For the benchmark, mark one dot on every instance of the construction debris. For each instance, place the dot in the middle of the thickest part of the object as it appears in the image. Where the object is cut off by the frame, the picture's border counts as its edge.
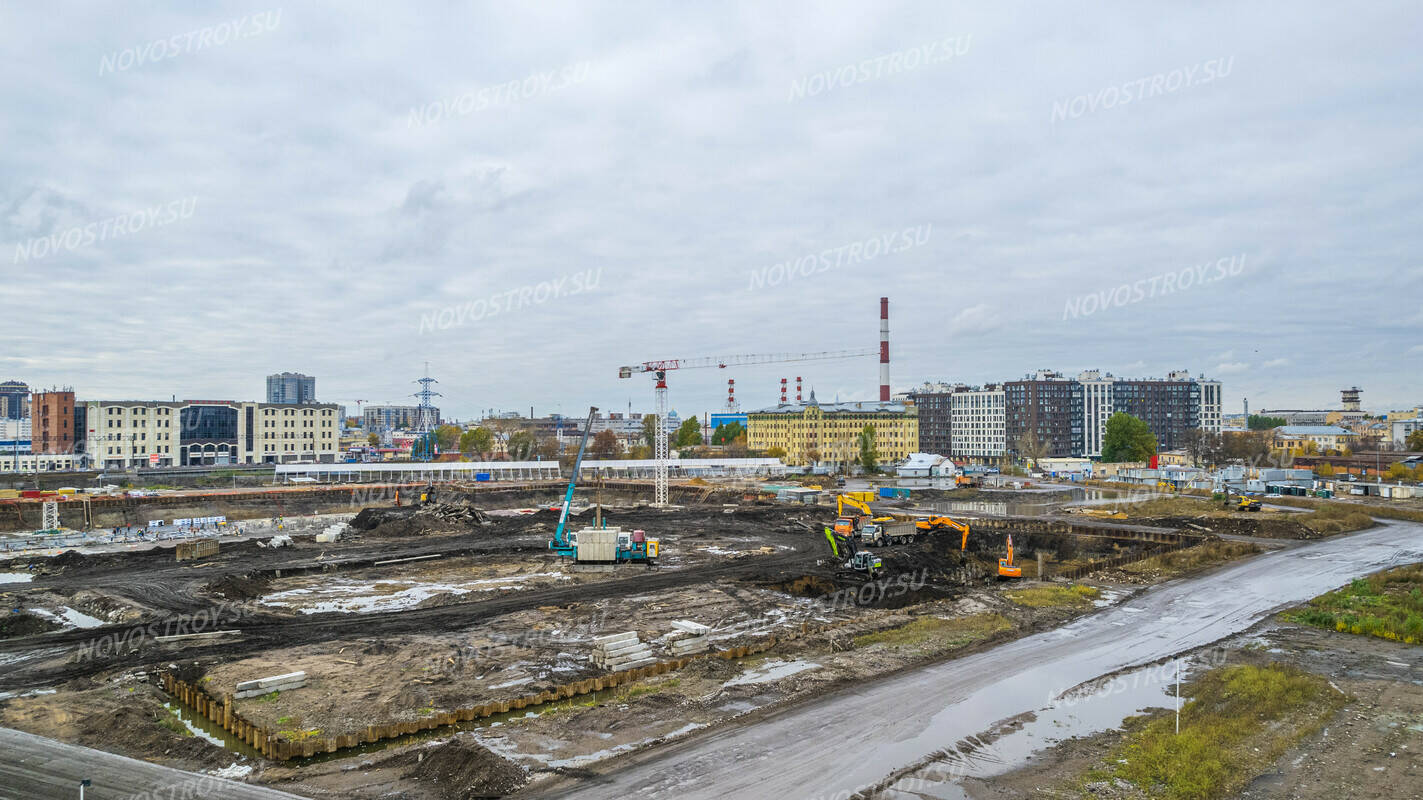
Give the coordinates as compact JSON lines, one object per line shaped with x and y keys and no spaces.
{"x":276,"y":683}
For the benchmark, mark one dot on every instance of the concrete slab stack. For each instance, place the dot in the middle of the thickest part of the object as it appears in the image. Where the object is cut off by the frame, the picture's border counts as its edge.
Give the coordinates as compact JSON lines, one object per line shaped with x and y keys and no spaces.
{"x":619,"y":651}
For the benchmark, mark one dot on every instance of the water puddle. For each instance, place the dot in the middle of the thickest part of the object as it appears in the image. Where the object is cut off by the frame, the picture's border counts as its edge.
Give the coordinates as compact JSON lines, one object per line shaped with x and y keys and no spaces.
{"x":771,"y":671}
{"x":69,"y":617}
{"x":210,"y":732}
{"x":1084,"y":712}
{"x":15,"y":577}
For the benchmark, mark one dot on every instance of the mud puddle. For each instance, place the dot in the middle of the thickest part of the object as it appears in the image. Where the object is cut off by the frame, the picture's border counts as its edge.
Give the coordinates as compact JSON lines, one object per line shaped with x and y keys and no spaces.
{"x":1083,"y":712}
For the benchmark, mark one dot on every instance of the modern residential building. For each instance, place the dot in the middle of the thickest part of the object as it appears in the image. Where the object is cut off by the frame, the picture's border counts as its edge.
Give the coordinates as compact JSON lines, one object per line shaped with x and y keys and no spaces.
{"x":52,"y":422}
{"x":1399,"y":430}
{"x":1045,"y":405}
{"x":979,"y":423}
{"x":389,"y":418}
{"x":935,"y":404}
{"x":291,"y":388}
{"x":813,"y":431}
{"x":125,"y":434}
{"x":14,"y":400}
{"x":1170,"y":407}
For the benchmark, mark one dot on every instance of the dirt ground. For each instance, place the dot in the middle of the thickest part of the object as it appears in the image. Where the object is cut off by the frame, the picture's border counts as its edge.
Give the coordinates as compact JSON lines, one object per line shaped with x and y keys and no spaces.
{"x":1371,"y":748}
{"x":486,"y":613}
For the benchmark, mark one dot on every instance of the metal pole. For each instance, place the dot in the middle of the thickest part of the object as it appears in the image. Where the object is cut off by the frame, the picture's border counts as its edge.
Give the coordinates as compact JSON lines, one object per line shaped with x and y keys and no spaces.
{"x":1178,"y":697}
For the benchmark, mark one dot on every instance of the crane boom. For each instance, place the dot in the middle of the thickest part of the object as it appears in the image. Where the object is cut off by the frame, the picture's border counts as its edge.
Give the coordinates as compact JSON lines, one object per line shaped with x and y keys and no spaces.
{"x":722,"y":362}
{"x":560,"y":540}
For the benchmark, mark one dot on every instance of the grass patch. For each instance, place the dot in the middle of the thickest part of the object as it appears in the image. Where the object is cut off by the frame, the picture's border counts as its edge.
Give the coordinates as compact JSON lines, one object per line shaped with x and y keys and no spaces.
{"x":1192,"y":558}
{"x":1388,"y":605}
{"x":950,"y":633}
{"x":1053,"y":596}
{"x":1240,"y":719}
{"x":171,"y":722}
{"x":1178,"y":507}
{"x":1333,"y":518}
{"x":269,"y":697}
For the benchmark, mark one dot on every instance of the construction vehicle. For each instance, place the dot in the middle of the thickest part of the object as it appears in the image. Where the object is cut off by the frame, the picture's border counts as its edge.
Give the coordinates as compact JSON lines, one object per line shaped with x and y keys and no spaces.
{"x":1006,"y":567}
{"x":940,"y":523}
{"x":843,"y":547}
{"x":561,"y":544}
{"x":855,"y":504}
{"x":1245,"y":503}
{"x":877,"y":534}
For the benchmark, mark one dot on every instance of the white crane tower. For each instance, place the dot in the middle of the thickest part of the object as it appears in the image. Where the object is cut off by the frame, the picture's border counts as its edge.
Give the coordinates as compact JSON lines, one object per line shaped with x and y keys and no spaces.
{"x":659,"y":369}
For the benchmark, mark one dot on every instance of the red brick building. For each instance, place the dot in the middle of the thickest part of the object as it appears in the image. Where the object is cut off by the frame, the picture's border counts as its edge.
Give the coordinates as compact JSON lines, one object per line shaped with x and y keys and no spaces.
{"x":52,"y":422}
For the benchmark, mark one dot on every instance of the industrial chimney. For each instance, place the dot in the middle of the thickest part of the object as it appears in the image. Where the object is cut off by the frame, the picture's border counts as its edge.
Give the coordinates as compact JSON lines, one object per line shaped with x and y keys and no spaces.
{"x":731,"y":394}
{"x":884,"y":349}
{"x":783,"y":391}
{"x":797,"y":388}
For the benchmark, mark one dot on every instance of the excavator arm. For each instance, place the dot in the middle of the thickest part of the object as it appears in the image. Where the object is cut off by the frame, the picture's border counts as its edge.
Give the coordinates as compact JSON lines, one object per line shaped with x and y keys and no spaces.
{"x":935,"y":523}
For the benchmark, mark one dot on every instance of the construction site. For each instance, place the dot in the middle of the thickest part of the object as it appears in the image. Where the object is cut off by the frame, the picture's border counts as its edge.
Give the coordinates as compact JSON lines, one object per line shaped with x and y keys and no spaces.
{"x":453,"y":640}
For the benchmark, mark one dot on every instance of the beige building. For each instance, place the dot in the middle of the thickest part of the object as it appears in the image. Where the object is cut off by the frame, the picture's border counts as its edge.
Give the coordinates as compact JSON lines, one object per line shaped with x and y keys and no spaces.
{"x":123,"y":434}
{"x":831,"y":431}
{"x":1323,"y":438}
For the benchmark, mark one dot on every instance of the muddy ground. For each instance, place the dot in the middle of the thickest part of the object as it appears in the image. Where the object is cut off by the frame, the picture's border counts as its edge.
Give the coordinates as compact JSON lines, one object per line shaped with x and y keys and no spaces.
{"x":1371,"y":748}
{"x":488,"y":613}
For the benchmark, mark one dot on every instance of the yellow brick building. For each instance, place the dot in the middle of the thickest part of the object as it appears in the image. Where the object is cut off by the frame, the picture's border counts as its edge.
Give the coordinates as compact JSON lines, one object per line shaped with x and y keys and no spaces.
{"x":831,"y":431}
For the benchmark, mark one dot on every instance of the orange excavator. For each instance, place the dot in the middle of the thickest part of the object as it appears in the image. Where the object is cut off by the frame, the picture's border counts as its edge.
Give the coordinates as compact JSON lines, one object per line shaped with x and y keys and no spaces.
{"x":928,"y":524}
{"x":1006,"y":567}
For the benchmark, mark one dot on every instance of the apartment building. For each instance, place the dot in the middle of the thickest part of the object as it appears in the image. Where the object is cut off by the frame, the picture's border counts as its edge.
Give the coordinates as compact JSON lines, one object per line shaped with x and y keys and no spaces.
{"x":935,"y":405}
{"x":52,"y":423}
{"x":124,"y":434}
{"x":291,"y":388}
{"x":1170,"y":407}
{"x":1047,"y":405}
{"x":815,"y":432}
{"x":979,"y":422}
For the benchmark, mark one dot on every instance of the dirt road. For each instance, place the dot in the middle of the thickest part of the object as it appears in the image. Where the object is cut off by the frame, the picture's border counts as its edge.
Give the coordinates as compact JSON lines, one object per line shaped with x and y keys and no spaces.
{"x":856,"y":740}
{"x":37,"y":768}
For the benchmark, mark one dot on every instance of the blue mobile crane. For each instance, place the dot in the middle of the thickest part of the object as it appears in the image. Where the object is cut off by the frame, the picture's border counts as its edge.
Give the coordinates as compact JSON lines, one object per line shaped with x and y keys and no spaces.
{"x":561,"y":545}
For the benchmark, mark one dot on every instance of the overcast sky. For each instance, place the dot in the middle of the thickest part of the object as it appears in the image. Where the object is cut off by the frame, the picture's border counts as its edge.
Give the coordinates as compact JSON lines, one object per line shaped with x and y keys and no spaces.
{"x":529,"y":197}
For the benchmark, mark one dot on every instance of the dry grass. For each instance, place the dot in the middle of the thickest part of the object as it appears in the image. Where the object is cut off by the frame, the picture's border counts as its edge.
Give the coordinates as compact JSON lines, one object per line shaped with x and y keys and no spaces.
{"x":947,"y":633}
{"x":1194,"y":558}
{"x":1053,"y":596}
{"x":1240,"y":719}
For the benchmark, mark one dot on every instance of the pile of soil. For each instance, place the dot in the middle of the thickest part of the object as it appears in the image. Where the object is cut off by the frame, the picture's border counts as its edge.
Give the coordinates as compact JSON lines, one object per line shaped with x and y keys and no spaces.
{"x":462,"y":769}
{"x":418,"y":520}
{"x":23,"y":623}
{"x":238,"y":587}
{"x":1269,"y":527}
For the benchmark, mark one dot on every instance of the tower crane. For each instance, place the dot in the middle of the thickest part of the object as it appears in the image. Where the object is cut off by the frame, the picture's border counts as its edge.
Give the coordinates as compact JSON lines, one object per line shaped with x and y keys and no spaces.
{"x":659,"y":370}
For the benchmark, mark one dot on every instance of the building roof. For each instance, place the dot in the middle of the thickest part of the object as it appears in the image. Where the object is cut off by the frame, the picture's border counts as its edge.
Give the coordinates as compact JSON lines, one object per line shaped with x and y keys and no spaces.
{"x":857,"y":407}
{"x":1313,"y":430}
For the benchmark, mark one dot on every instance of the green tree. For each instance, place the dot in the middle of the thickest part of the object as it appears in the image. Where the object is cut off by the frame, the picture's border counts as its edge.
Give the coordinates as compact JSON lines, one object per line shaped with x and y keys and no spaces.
{"x":1030,"y":447}
{"x":1414,"y":441}
{"x":373,"y":439}
{"x":605,"y":445}
{"x":1259,"y":423}
{"x":1418,"y":474}
{"x":727,"y":432}
{"x":478,"y":441}
{"x":689,"y":434}
{"x":1397,"y":471}
{"x":520,"y":445}
{"x":1324,"y":469}
{"x":776,"y":452}
{"x":869,"y":457}
{"x":448,"y":438}
{"x":1127,"y":438}
{"x":649,"y":431}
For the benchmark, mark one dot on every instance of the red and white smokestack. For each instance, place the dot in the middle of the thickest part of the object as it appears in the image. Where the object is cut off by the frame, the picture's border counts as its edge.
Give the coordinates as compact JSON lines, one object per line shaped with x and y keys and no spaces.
{"x":731,"y":394}
{"x":797,"y":388}
{"x":884,"y":349}
{"x":783,"y":390}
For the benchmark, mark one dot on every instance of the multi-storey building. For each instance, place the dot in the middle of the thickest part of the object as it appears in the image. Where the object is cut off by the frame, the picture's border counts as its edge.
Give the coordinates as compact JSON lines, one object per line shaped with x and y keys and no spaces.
{"x":14,"y":400}
{"x":291,"y":388}
{"x":935,"y":404}
{"x":137,"y":433}
{"x":52,"y":423}
{"x":979,"y":419}
{"x":390,"y":418}
{"x":1048,"y":406}
{"x":1169,"y":407}
{"x":813,"y":431}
